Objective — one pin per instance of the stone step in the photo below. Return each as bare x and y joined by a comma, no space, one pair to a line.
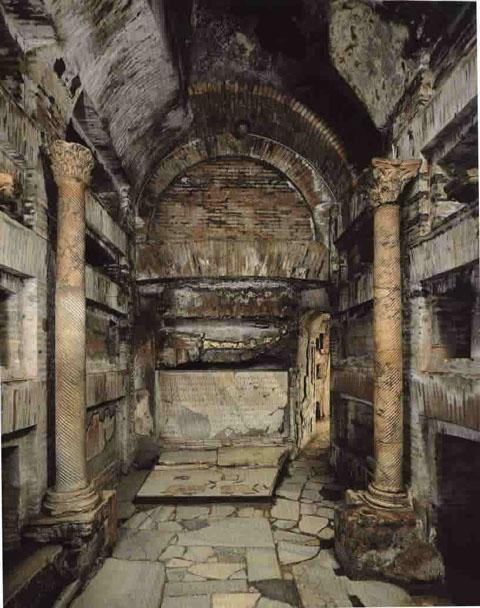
210,482
226,472
253,456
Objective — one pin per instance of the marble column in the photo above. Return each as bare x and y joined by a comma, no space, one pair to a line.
388,180
72,165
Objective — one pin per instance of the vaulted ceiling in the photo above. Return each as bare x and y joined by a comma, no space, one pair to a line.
134,61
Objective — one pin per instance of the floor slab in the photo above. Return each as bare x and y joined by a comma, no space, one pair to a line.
213,482
232,532
123,584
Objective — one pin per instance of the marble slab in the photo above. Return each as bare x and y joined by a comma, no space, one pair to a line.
231,532
222,405
182,457
211,482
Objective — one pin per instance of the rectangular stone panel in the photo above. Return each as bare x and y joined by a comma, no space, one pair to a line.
211,482
221,405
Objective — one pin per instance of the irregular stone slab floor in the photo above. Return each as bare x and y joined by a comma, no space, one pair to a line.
236,555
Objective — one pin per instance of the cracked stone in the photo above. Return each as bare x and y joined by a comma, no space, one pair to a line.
162,513
265,602
289,490
205,588
311,524
326,512
290,553
178,562
197,601
326,534
221,511
117,584
191,512
214,570
172,551
280,591
284,524
285,509
141,544
294,537
319,586
199,554
233,532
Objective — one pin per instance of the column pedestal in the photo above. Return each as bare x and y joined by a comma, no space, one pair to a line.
384,543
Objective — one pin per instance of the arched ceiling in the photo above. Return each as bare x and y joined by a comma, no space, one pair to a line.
277,129
136,59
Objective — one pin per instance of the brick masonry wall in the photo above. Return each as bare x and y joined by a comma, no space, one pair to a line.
231,199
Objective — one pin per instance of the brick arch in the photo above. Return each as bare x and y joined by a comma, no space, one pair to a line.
190,234
294,167
219,107
273,117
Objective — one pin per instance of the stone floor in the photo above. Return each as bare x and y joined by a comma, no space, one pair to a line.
236,555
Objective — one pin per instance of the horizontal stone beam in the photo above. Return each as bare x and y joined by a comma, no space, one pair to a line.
453,95
19,138
21,250
219,258
105,292
445,251
103,225
449,397
106,386
20,403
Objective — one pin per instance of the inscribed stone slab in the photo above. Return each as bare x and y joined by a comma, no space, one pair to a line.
221,404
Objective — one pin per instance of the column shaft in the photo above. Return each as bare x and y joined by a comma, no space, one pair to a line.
72,165
70,317
388,178
387,321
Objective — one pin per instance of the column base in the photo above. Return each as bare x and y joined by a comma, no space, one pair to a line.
71,528
382,499
57,504
371,542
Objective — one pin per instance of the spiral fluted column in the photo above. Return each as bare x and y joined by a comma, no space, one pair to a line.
72,166
388,180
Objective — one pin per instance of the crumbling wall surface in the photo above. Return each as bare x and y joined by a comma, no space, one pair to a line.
369,53
313,374
198,327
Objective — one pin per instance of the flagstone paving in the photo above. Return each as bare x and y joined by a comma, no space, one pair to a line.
237,555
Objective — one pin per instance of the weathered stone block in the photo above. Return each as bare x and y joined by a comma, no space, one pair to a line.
384,544
198,404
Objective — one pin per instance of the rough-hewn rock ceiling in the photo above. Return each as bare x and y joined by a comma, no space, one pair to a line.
133,61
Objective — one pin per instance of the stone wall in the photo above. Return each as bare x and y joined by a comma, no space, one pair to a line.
33,115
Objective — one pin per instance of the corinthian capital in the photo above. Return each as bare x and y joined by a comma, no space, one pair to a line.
71,161
389,177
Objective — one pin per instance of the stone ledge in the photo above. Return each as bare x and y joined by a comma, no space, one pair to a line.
386,544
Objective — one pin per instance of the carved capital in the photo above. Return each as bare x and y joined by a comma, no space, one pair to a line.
71,161
389,177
